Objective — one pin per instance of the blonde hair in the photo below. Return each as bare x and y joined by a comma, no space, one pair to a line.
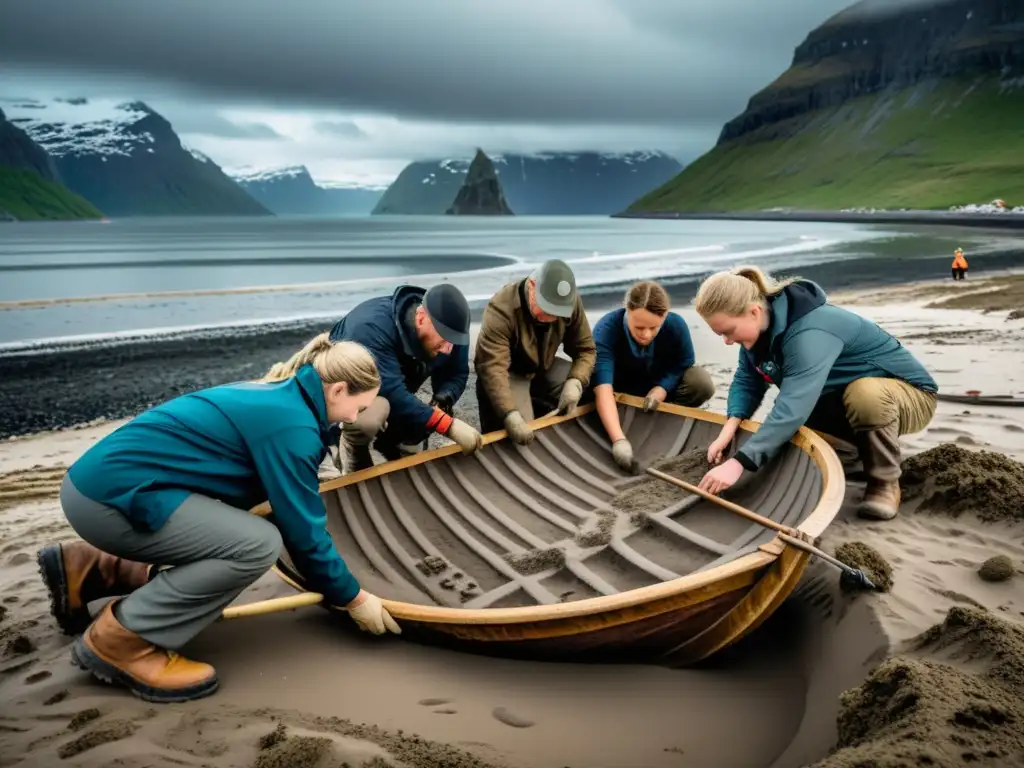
648,295
733,291
342,361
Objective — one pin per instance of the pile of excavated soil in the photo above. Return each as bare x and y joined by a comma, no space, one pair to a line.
951,480
956,698
857,554
281,749
652,494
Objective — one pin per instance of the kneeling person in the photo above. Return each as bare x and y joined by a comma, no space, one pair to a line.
643,349
411,334
518,374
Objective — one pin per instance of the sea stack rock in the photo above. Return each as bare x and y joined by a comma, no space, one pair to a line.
480,194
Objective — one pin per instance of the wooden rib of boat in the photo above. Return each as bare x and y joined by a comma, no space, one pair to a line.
519,551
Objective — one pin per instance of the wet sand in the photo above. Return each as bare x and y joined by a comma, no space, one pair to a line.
777,699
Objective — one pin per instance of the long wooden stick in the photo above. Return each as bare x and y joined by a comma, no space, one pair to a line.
785,533
273,605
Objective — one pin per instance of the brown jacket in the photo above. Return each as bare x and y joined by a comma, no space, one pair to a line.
508,343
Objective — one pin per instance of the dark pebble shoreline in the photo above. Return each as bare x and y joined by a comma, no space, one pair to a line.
55,389
946,218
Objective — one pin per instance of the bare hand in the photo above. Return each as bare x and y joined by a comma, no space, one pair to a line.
721,477
716,451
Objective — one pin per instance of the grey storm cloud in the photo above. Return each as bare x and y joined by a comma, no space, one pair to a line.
343,128
209,123
623,62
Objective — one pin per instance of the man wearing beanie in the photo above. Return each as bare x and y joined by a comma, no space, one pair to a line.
412,334
518,375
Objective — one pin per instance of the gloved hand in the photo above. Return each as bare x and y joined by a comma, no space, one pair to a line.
468,439
622,452
655,396
370,615
518,429
444,402
572,391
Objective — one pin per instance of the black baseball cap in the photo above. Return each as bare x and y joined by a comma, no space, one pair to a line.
448,310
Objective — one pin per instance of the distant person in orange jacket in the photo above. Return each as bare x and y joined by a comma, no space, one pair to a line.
959,264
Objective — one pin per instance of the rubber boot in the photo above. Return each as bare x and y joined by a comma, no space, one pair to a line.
353,451
880,452
116,655
76,573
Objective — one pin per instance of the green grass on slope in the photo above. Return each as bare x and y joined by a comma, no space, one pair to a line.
930,146
26,195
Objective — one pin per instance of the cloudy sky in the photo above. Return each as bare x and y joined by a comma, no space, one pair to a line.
355,90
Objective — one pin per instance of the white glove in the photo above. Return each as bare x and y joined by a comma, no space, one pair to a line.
468,439
622,452
518,429
370,615
572,391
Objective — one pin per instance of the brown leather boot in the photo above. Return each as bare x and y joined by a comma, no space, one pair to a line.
115,655
76,573
880,451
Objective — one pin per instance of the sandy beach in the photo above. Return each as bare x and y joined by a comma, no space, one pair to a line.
930,672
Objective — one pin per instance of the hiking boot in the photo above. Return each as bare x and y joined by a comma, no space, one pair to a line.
353,452
116,655
880,452
76,573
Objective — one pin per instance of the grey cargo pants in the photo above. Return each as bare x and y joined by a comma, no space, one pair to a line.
216,552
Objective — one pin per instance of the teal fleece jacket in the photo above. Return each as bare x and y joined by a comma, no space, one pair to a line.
810,348
242,444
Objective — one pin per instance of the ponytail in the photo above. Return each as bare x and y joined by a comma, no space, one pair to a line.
335,362
287,369
732,292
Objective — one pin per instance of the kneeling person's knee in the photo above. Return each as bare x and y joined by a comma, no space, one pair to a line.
262,547
695,388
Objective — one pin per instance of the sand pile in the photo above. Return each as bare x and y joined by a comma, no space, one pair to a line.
653,495
857,554
951,480
961,701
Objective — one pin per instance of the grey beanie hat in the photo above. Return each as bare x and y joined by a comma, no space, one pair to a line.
556,288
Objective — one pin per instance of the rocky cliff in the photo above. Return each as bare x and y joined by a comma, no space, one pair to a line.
30,187
480,193
292,191
541,184
127,160
914,106
872,46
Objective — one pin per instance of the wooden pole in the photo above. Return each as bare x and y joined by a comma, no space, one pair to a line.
273,605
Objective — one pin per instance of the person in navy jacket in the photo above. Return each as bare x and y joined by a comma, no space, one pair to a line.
161,506
413,334
643,349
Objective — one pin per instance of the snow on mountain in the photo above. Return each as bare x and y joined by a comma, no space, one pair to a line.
291,190
250,173
82,126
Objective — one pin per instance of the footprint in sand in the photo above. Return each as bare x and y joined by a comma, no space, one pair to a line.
502,715
433,702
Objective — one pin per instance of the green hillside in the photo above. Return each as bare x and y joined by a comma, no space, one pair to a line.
936,144
27,196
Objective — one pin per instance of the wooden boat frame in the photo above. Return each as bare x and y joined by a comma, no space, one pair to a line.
768,575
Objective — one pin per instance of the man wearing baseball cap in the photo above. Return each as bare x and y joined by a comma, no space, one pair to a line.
412,334
519,376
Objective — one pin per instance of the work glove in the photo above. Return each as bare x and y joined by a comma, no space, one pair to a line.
622,452
572,391
467,438
370,615
654,397
518,429
444,402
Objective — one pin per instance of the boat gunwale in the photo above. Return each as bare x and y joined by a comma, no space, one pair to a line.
829,501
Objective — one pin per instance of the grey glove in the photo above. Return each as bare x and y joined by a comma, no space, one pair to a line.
467,438
572,391
656,396
518,429
622,452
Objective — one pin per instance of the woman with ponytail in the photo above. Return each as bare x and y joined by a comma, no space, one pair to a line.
837,373
161,504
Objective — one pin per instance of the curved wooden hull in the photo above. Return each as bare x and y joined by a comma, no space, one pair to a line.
531,552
